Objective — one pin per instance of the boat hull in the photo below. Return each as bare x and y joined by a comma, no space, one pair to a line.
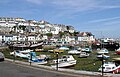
65,64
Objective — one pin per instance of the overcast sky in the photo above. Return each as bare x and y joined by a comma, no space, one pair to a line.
101,17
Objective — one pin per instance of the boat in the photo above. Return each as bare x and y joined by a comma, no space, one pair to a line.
25,51
103,54
25,46
87,50
20,54
74,52
118,51
34,59
110,45
109,67
84,55
103,50
64,61
64,48
38,50
44,57
2,56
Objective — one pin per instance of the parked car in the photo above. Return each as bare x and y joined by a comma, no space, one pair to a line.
2,57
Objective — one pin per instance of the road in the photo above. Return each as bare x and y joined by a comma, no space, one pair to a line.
8,69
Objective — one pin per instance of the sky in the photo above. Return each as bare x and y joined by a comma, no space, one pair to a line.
100,17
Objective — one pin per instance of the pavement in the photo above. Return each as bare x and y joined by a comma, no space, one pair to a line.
89,73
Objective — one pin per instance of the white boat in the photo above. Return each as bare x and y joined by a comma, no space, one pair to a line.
65,61
64,48
74,52
26,46
26,51
103,53
86,49
20,54
84,54
104,56
44,57
110,67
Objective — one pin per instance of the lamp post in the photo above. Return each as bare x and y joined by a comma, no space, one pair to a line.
14,55
57,62
17,30
30,58
102,66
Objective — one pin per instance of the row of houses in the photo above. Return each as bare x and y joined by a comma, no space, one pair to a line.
68,39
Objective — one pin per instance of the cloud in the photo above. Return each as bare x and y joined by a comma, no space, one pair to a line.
75,6
109,6
71,8
35,1
104,20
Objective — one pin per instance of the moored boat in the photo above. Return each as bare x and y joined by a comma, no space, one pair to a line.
74,52
25,46
65,61
34,59
118,51
103,54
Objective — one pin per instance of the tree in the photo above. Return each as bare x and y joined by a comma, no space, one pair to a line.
61,34
22,27
68,28
75,33
49,34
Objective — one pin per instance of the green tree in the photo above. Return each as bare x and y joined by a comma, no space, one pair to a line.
61,34
75,33
49,34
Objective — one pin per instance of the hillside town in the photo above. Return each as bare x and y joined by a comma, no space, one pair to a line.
19,29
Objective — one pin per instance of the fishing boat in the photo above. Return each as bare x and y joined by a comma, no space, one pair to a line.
64,61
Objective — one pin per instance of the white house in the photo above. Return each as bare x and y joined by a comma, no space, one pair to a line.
7,21
86,36
1,37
